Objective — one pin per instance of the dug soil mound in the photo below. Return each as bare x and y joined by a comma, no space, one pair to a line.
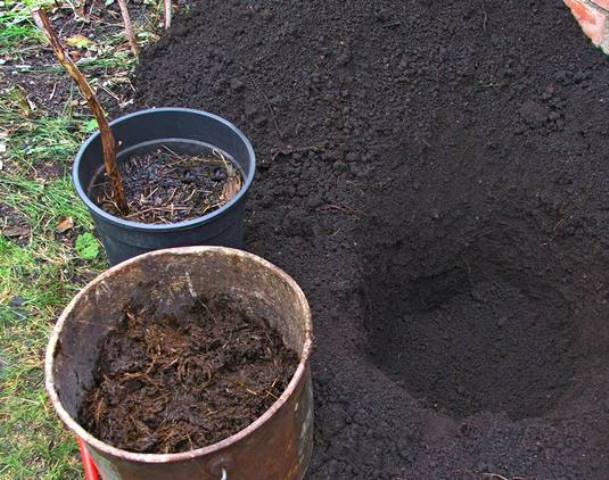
435,174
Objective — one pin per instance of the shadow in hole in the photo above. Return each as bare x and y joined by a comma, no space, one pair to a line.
486,331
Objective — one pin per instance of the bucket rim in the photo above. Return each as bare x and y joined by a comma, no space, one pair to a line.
162,458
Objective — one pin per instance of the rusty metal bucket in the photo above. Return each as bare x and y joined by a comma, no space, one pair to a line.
277,446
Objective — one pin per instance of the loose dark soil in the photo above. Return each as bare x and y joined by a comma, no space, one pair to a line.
163,186
32,69
13,225
435,175
173,382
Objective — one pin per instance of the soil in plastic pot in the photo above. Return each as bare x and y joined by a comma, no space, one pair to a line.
173,381
163,186
434,174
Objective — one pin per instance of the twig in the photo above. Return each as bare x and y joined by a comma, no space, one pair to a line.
288,149
167,4
122,4
111,93
271,109
53,91
107,138
493,476
341,208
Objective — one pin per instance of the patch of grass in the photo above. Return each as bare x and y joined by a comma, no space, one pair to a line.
17,30
40,141
34,444
45,204
36,281
38,277
22,35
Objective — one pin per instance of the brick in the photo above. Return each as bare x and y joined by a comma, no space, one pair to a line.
602,3
593,17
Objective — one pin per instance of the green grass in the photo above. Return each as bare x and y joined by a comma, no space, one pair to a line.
36,281
39,274
17,30
22,35
43,141
34,444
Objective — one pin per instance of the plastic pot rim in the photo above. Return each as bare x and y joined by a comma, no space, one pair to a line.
152,227
163,458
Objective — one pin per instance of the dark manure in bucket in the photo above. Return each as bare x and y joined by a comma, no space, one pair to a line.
175,381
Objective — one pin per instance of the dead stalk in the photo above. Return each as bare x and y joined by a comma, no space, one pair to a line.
129,28
167,4
107,138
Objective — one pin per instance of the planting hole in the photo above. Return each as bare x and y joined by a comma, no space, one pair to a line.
471,339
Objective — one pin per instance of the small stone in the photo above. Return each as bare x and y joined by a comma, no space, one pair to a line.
267,14
17,302
534,113
237,85
486,467
314,201
330,155
548,92
260,121
339,166
276,100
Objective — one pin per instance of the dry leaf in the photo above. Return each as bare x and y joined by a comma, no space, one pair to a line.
75,55
14,231
65,225
18,95
80,41
231,188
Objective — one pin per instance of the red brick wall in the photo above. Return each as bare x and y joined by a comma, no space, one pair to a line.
593,16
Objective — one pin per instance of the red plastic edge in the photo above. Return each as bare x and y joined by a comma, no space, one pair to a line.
87,462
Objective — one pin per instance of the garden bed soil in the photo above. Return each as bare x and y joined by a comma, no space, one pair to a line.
163,186
434,174
177,381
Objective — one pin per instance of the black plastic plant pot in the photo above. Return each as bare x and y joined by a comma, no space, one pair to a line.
184,131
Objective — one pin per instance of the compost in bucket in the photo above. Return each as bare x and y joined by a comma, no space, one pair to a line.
172,182
182,380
